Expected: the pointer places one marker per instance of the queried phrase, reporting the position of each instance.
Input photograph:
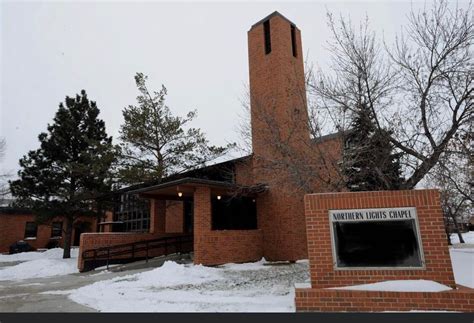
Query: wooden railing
(134, 251)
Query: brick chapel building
(246, 208)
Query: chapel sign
(376, 238)
(388, 214)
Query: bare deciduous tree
(4, 189)
(454, 176)
(310, 164)
(420, 90)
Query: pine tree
(155, 143)
(70, 169)
(370, 162)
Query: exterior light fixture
(219, 197)
(180, 194)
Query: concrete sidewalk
(50, 294)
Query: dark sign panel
(376, 238)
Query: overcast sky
(198, 50)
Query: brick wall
(174, 217)
(157, 216)
(109, 217)
(219, 247)
(244, 172)
(330, 300)
(91, 241)
(430, 219)
(12, 229)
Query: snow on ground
(401, 286)
(467, 236)
(250, 287)
(55, 253)
(463, 266)
(176, 287)
(48, 263)
(462, 257)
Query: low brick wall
(330, 300)
(220, 247)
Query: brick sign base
(435, 249)
(331, 300)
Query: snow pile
(55, 253)
(142, 292)
(400, 286)
(173, 274)
(39, 268)
(467, 236)
(195, 288)
(39, 264)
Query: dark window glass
(236, 213)
(134, 212)
(188, 210)
(56, 229)
(293, 40)
(377, 244)
(31, 229)
(268, 41)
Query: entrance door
(77, 235)
(188, 209)
(80, 228)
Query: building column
(202, 220)
(158, 216)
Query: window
(376, 238)
(268, 41)
(31, 229)
(293, 40)
(56, 229)
(134, 212)
(234, 213)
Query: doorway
(188, 210)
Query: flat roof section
(186, 187)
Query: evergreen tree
(155, 143)
(70, 169)
(370, 163)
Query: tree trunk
(446, 229)
(456, 226)
(68, 238)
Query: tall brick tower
(279, 120)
